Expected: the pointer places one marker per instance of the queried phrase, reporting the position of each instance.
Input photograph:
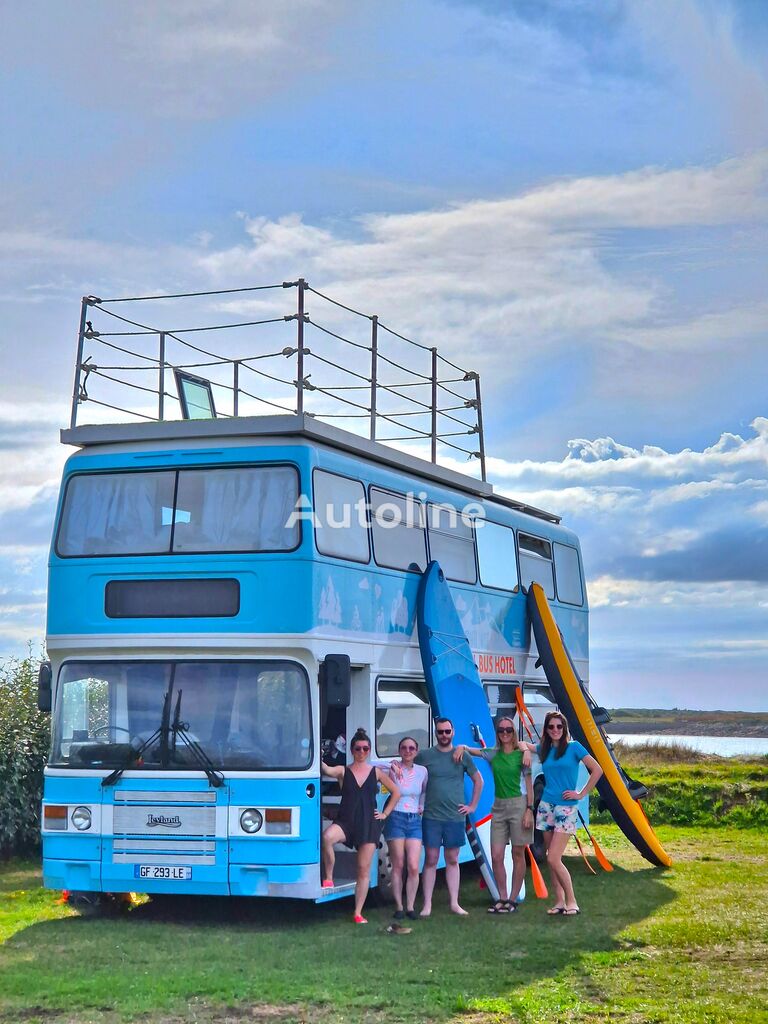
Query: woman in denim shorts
(403, 827)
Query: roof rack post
(302, 284)
(78, 362)
(161, 379)
(374, 370)
(480, 426)
(235, 387)
(434, 405)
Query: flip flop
(572, 912)
(327, 884)
(554, 911)
(359, 919)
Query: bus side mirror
(336, 680)
(44, 690)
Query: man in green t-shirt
(444, 812)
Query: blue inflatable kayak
(455, 692)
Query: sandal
(327, 884)
(572, 912)
(499, 907)
(555, 910)
(359, 919)
(511, 906)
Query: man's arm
(477, 782)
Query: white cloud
(609, 591)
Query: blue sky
(569, 195)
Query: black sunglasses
(504, 728)
(443, 732)
(360, 746)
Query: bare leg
(364, 858)
(499, 868)
(518, 872)
(397, 856)
(559, 870)
(452, 879)
(431, 858)
(413, 859)
(333, 834)
(559, 903)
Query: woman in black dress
(359, 823)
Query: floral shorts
(557, 818)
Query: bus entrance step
(343, 888)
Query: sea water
(725, 746)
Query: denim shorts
(403, 825)
(436, 833)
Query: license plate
(160, 872)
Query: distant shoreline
(678, 722)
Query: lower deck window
(402, 709)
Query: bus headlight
(251, 820)
(81, 819)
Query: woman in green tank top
(512, 810)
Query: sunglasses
(360, 748)
(409, 747)
(556, 725)
(443, 732)
(505, 729)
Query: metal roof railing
(313, 359)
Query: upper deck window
(340, 516)
(451, 543)
(536, 563)
(245, 508)
(496, 555)
(397, 524)
(239, 508)
(568, 573)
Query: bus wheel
(97, 904)
(384, 883)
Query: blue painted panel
(84, 876)
(72, 789)
(71, 846)
(264, 849)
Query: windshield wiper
(160, 733)
(180, 730)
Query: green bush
(24, 741)
(700, 789)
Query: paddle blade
(539, 885)
(602, 860)
(584, 856)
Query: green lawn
(685, 945)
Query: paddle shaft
(602, 860)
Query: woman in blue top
(558, 811)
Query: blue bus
(229, 598)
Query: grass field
(689, 788)
(685, 945)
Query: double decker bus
(232, 595)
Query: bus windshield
(244, 714)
